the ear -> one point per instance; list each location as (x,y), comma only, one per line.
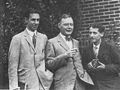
(59,25)
(102,34)
(26,20)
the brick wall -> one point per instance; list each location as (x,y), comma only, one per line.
(106,12)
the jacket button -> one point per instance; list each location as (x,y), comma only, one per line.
(82,75)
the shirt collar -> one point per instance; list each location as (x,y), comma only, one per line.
(62,36)
(30,32)
(97,45)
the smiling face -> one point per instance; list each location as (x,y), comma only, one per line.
(66,26)
(95,35)
(33,21)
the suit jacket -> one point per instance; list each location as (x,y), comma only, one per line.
(24,60)
(65,69)
(106,79)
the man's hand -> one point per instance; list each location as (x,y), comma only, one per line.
(101,66)
(90,66)
(18,88)
(71,52)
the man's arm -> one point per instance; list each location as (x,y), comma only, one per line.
(53,61)
(13,63)
(114,67)
(85,58)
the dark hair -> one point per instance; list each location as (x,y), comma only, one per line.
(64,16)
(31,11)
(99,26)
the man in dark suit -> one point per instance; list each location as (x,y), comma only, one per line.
(102,61)
(64,60)
(27,55)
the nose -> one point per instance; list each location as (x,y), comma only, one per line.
(69,26)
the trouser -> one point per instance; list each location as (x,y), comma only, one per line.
(21,85)
(79,84)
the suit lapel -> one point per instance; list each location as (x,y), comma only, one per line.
(100,52)
(91,52)
(26,35)
(64,45)
(39,41)
(101,49)
(74,44)
(62,42)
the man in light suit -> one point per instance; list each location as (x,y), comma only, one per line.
(102,61)
(64,60)
(26,54)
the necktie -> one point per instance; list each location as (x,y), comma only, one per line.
(68,38)
(34,40)
(95,51)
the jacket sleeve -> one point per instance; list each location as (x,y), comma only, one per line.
(13,62)
(114,67)
(85,59)
(54,62)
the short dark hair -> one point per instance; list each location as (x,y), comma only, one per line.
(64,16)
(99,26)
(31,11)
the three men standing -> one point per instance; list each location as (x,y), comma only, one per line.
(27,53)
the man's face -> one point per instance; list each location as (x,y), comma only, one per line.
(95,35)
(33,21)
(66,26)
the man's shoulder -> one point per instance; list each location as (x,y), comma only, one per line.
(53,39)
(18,35)
(41,35)
(75,40)
(107,44)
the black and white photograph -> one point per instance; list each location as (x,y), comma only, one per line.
(59,44)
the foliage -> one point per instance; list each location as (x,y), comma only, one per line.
(13,19)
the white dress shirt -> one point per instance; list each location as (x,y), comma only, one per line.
(31,33)
(69,43)
(96,48)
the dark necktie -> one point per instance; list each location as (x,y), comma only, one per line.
(34,40)
(68,38)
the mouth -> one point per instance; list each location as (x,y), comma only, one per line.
(92,39)
(35,26)
(68,30)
